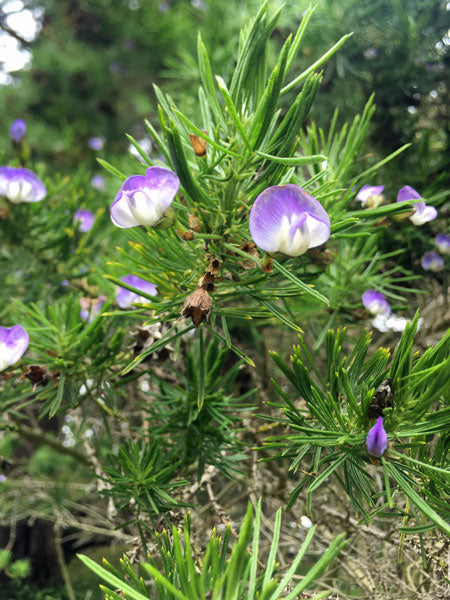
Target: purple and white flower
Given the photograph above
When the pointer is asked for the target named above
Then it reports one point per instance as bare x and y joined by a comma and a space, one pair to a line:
96, 143
91, 308
442, 241
432, 261
143, 199
376, 440
21, 185
84, 218
98, 182
370, 195
422, 213
376, 303
125, 298
285, 218
17, 130
13, 343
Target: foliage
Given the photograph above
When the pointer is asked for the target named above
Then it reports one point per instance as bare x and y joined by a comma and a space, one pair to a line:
184, 575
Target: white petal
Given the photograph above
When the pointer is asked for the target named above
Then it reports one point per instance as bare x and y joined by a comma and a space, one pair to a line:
121, 214
5, 361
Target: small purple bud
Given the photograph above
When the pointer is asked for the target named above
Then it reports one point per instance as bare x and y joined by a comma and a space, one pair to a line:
84, 218
285, 218
422, 213
376, 303
96, 143
13, 343
432, 261
125, 298
17, 130
21, 185
143, 199
442, 241
98, 182
376, 440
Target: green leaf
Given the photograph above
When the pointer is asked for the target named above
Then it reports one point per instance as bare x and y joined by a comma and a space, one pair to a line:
294, 160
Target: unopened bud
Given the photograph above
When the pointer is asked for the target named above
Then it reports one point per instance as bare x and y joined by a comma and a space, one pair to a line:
198, 144
197, 306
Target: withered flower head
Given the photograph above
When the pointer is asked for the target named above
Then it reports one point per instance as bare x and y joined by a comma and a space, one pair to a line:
194, 223
198, 306
38, 375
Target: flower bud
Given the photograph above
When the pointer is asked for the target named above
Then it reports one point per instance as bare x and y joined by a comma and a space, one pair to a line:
376, 440
198, 144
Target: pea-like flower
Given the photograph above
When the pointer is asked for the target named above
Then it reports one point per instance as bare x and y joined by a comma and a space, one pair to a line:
376, 440
91, 308
13, 343
98, 182
432, 261
285, 218
21, 185
143, 199
376, 303
370, 195
96, 143
17, 130
442, 241
422, 213
84, 218
125, 298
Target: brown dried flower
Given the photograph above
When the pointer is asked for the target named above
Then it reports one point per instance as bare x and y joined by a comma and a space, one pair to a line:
197, 306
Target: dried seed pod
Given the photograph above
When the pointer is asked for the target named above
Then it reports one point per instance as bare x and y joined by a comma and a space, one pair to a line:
187, 236
197, 306
214, 266
194, 223
198, 144
382, 399
207, 282
38, 375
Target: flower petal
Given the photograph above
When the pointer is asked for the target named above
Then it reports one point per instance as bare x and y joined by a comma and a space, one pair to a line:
278, 224
423, 215
408, 193
161, 185
376, 440
13, 343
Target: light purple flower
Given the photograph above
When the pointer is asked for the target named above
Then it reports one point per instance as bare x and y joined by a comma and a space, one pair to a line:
370, 195
3, 478
422, 213
13, 343
17, 130
21, 185
91, 308
96, 143
432, 261
125, 298
285, 218
98, 182
376, 303
376, 440
143, 199
442, 241
84, 218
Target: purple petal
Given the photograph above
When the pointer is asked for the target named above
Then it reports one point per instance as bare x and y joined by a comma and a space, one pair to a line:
287, 219
408, 193
17, 130
161, 185
98, 182
432, 261
376, 440
96, 143
21, 185
442, 242
85, 219
125, 298
376, 303
13, 343
370, 191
